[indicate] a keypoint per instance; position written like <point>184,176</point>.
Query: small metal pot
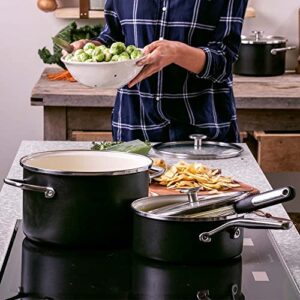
<point>261,55</point>
<point>183,239</point>
<point>83,197</point>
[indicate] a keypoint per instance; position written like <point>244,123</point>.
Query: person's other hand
<point>79,45</point>
<point>157,55</point>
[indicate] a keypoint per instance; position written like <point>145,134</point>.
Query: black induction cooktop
<point>33,271</point>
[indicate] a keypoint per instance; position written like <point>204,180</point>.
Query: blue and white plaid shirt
<point>175,102</point>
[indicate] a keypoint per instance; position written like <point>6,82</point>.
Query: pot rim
<point>143,168</point>
<point>265,40</point>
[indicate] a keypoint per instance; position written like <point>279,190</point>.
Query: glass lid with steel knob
<point>198,149</point>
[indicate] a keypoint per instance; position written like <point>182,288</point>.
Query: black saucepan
<point>194,240</point>
<point>81,197</point>
<point>262,55</point>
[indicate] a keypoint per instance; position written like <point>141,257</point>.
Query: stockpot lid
<point>258,38</point>
<point>198,149</point>
<point>86,162</point>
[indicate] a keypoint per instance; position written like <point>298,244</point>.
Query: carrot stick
<point>62,75</point>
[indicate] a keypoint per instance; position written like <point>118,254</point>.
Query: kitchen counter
<point>242,168</point>
<point>263,104</point>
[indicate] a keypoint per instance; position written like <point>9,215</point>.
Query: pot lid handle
<point>192,193</point>
<point>197,140</point>
<point>258,34</point>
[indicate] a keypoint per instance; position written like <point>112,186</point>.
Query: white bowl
<point>103,74</point>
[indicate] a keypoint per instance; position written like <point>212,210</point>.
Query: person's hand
<point>79,45</point>
<point>157,55</point>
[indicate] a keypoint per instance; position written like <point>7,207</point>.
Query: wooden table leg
<point>55,123</point>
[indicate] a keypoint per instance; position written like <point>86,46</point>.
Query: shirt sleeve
<point>112,31</point>
<point>223,50</point>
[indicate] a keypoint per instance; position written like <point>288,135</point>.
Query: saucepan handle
<point>254,202</point>
<point>49,192</point>
<point>205,237</point>
<point>156,172</point>
<point>274,51</point>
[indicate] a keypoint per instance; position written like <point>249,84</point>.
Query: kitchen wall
<point>24,29</point>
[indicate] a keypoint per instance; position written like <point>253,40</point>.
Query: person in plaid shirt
<point>185,86</point>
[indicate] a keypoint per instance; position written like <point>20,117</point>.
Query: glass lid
<point>198,149</point>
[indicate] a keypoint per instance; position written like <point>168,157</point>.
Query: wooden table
<point>73,111</point>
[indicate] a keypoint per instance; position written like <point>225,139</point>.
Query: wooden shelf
<point>73,13</point>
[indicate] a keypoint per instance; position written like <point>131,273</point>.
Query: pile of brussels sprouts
<point>117,52</point>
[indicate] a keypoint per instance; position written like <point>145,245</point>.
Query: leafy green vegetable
<point>103,145</point>
<point>135,146</point>
<point>70,34</point>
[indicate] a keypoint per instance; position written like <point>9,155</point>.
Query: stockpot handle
<point>49,192</point>
<point>157,171</point>
<point>274,51</point>
<point>205,237</point>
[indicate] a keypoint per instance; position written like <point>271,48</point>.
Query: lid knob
<point>257,34</point>
<point>192,193</point>
<point>197,140</point>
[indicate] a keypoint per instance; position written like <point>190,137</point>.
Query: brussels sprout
<point>83,57</point>
<point>89,52</point>
<point>88,46</point>
<point>102,47</point>
<point>130,49</point>
<point>117,48</point>
<point>115,58</point>
<point>136,54</point>
<point>107,55</point>
<point>123,56</point>
<point>89,60</point>
<point>75,58</point>
<point>68,57</point>
<point>78,52</point>
<point>99,57</point>
<point>97,51</point>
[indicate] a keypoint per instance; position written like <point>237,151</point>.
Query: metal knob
<point>257,34</point>
<point>192,193</point>
<point>197,140</point>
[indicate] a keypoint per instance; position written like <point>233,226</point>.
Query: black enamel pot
<point>83,197</point>
<point>261,55</point>
<point>185,239</point>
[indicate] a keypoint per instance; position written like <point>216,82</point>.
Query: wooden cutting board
<point>156,189</point>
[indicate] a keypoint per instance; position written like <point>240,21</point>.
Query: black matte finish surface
<point>176,241</point>
<point>257,60</point>
<point>86,210</point>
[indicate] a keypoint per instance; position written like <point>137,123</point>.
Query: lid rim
<point>158,149</point>
<point>263,40</point>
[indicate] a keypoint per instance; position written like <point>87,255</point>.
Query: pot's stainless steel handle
<point>49,192</point>
<point>274,51</point>
<point>205,237</point>
<point>157,171</point>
